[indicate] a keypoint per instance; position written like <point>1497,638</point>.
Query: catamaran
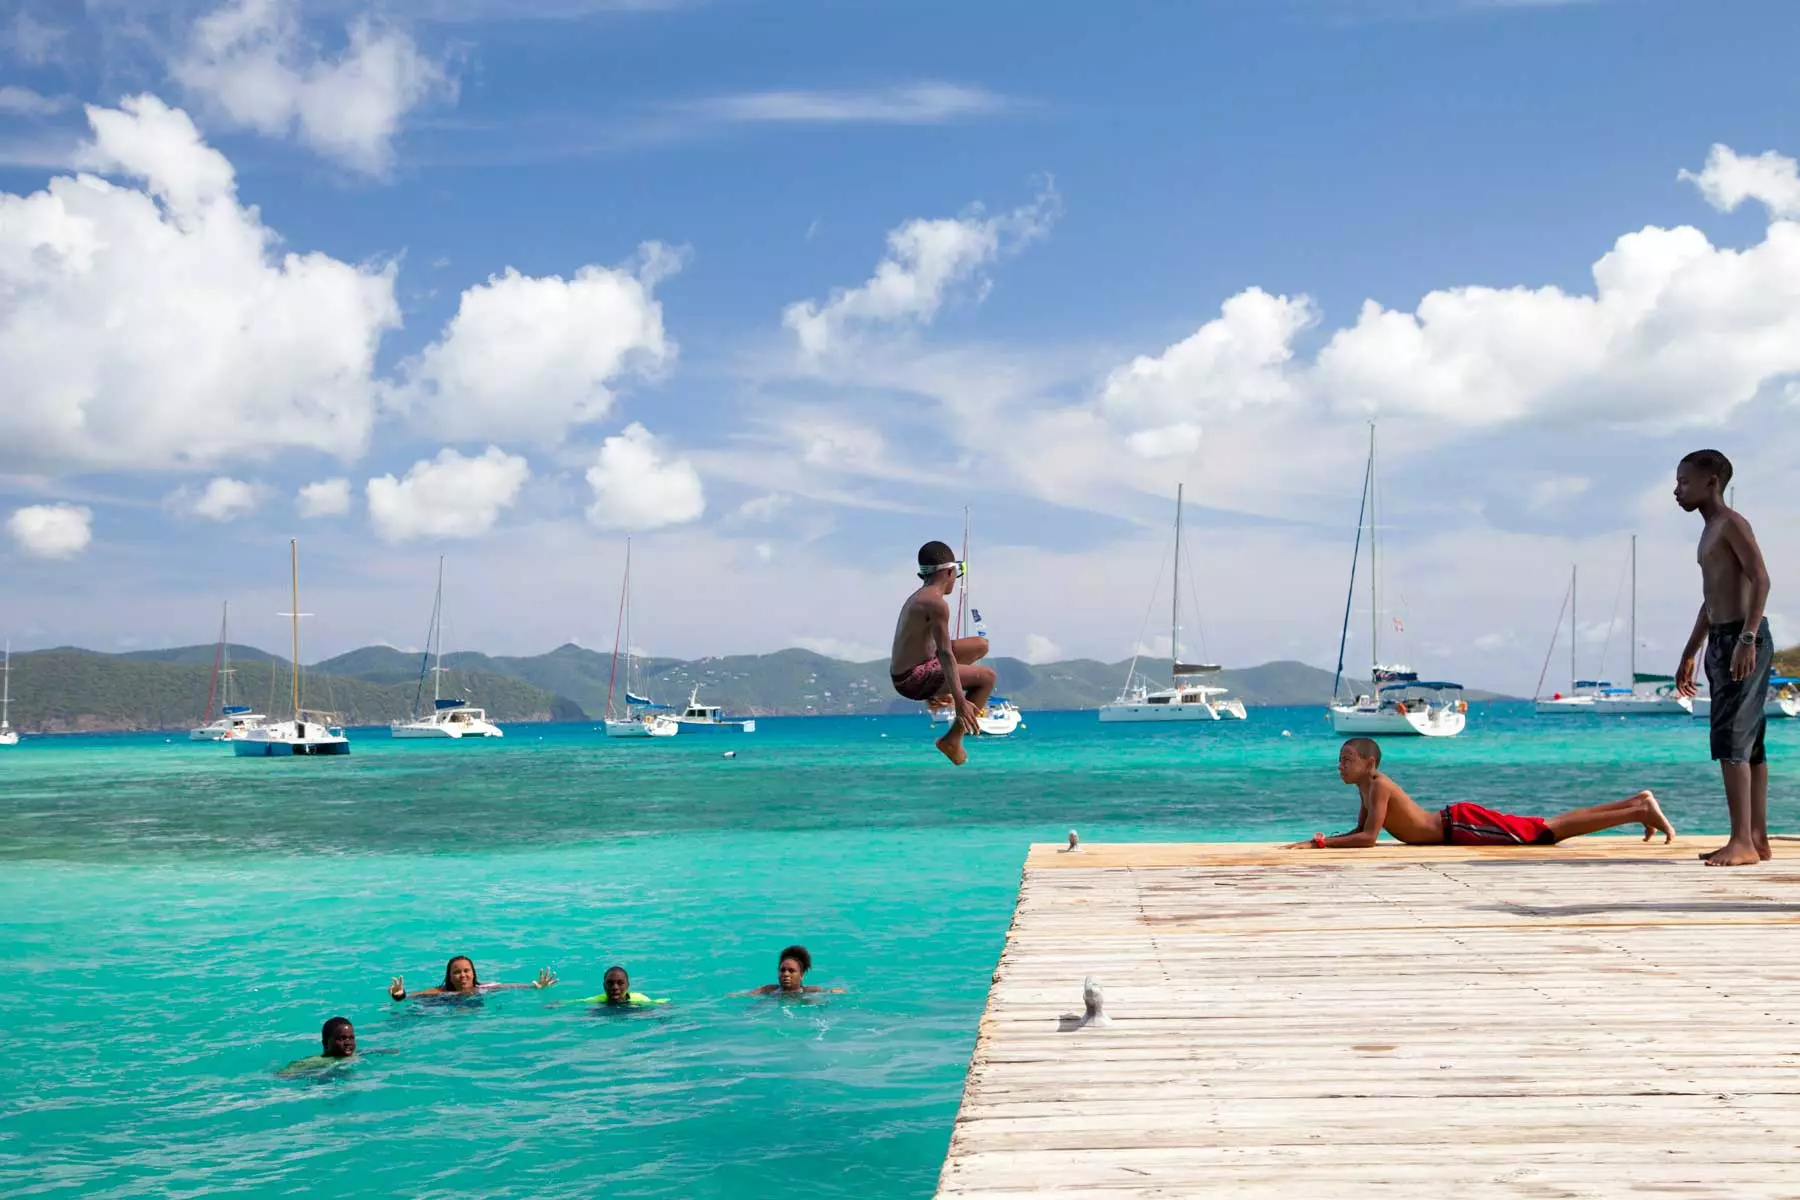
<point>1180,701</point>
<point>1649,695</point>
<point>8,735</point>
<point>305,734</point>
<point>450,716</point>
<point>639,717</point>
<point>234,720</point>
<point>1398,701</point>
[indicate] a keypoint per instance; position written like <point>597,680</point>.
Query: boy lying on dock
<point>1385,805</point>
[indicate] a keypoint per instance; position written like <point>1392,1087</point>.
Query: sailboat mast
<point>962,592</point>
<point>1633,610</point>
<point>437,673</point>
<point>6,686</point>
<point>225,657</point>
<point>1175,595</point>
<point>628,662</point>
<point>212,689</point>
<point>294,580</point>
<point>1374,574</point>
<point>1573,627</point>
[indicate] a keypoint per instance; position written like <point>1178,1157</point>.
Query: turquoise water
<point>177,922</point>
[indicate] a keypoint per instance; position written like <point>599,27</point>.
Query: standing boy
<point>1739,653</point>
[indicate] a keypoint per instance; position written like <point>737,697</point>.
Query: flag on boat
<point>1399,626</point>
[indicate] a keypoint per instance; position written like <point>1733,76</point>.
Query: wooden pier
<point>1601,1018</point>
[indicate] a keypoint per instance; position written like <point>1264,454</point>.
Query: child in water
<point>460,980</point>
<point>790,975</point>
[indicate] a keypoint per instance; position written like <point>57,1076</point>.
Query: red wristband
<point>1319,840</point>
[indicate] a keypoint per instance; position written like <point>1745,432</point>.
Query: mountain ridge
<point>71,689</point>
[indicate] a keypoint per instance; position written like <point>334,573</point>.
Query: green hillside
<point>59,691</point>
<point>1787,662</point>
<point>67,689</point>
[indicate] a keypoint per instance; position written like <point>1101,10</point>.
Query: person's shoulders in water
<point>632,1000</point>
<point>322,1064</point>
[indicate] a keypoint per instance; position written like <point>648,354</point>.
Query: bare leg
<point>1641,809</point>
<point>1759,809</point>
<point>1740,851</point>
<point>978,685</point>
<point>967,651</point>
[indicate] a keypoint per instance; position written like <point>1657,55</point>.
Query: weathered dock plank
<point>1601,1018</point>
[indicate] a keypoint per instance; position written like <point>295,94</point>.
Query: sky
<point>778,289</point>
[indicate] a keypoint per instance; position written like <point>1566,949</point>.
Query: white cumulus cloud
<point>447,497</point>
<point>637,487</point>
<point>108,364</point>
<point>326,498</point>
<point>52,530</point>
<point>533,358</point>
<point>926,260</point>
<point>1238,360</point>
<point>1040,649</point>
<point>226,499</point>
<point>1729,178</point>
<point>251,62</point>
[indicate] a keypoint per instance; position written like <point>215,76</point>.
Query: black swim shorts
<point>1737,704</point>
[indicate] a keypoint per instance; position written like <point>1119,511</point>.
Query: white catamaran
<point>234,719</point>
<point>8,735</point>
<point>1181,701</point>
<point>306,734</point>
<point>638,717</point>
<point>450,716</point>
<point>1398,701</point>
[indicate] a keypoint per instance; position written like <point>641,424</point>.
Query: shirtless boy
<point>1739,653</point>
<point>1385,805</point>
<point>927,665</point>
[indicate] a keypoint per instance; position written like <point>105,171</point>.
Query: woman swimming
<point>460,980</point>
<point>790,974</point>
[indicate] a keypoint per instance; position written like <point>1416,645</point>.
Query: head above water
<point>617,984</point>
<point>1701,478</point>
<point>337,1038</point>
<point>459,974</point>
<point>792,967</point>
<point>1358,759</point>
<point>938,566</point>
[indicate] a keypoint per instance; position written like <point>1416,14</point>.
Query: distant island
<point>71,690</point>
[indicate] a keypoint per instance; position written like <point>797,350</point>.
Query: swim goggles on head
<point>962,569</point>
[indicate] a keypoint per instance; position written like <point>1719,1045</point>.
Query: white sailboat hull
<point>1645,706</point>
<point>1567,706</point>
<point>1386,722</point>
<point>284,739</point>
<point>1127,712</point>
<point>1776,708</point>
<point>646,727</point>
<point>998,721</point>
<point>9,737</point>
<point>430,727</point>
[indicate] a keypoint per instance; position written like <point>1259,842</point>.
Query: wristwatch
<point>1748,638</point>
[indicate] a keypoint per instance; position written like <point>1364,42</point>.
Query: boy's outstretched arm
<point>1368,827</point>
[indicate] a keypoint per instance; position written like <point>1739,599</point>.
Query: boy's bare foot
<point>1763,852</point>
<point>1731,854</point>
<point>1658,822</point>
<point>1762,847</point>
<point>953,749</point>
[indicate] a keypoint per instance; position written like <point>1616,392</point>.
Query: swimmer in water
<point>790,972</point>
<point>337,1044</point>
<point>618,993</point>
<point>460,980</point>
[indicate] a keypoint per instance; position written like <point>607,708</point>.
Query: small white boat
<point>1398,701</point>
<point>234,720</point>
<point>640,716</point>
<point>451,717</point>
<point>8,735</point>
<point>1649,696</point>
<point>1000,718</point>
<point>304,735</point>
<point>1138,701</point>
<point>1783,703</point>
<point>710,718</point>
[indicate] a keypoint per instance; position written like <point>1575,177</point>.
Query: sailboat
<point>1649,695</point>
<point>233,719</point>
<point>638,717</point>
<point>450,716</point>
<point>1583,692</point>
<point>8,735</point>
<point>1179,701</point>
<point>1398,701</point>
<point>304,734</point>
<point>1000,716</point>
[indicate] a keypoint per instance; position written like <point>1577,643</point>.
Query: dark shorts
<point>1738,720</point>
<point>1473,825</point>
<point>923,682</point>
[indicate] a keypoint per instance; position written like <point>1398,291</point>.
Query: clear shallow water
<point>177,922</point>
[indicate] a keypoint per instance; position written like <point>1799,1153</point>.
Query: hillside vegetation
<point>67,689</point>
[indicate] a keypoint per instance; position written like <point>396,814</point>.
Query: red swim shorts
<point>1473,825</point>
